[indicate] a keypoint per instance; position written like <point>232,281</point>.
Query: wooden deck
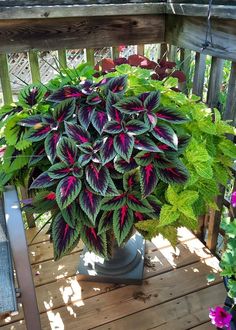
<point>174,295</point>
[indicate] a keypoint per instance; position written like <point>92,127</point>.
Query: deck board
<point>175,283</point>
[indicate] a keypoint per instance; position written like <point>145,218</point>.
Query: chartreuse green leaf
<point>228,148</point>
<point>169,214</point>
<point>14,160</point>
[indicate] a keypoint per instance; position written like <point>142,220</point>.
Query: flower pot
<point>229,303</point>
<point>125,266</point>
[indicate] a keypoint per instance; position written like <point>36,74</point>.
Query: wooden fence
<point>180,37</point>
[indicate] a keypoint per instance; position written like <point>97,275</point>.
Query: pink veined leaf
<point>97,178</point>
<point>113,127</point>
<point>67,151</point>
<point>85,114</point>
<point>114,114</point>
<point>94,241</point>
<point>165,134</point>
<point>144,158</point>
<point>123,144</point>
<point>99,120</point>
<point>64,110</point>
<point>105,222</point>
<point>90,203</point>
<point>122,223</point>
<point>77,133</point>
<point>171,115</point>
<point>136,127</point>
<point>173,174</point>
<point>113,203</point>
<point>67,191</point>
<point>117,84</point>
<point>136,203</point>
<point>152,101</point>
<point>148,179</point>
<point>123,166</point>
<point>43,181</point>
<point>58,171</point>
<point>50,144</point>
<point>130,105</point>
<point>146,144</point>
<point>107,152</point>
<point>31,121</point>
<point>38,133</point>
<point>64,93</point>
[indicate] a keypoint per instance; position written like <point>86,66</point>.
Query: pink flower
<point>121,48</point>
<point>233,199</point>
<point>220,318</point>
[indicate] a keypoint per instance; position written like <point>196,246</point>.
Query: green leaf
<point>204,170</point>
<point>228,148</point>
<point>67,191</point>
<point>14,160</point>
<point>168,215</point>
<point>171,195</point>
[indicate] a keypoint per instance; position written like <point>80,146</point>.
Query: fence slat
<point>90,56</point>
<point>140,50</point>
<point>5,79</point>
<point>62,58</point>
<point>199,74</point>
<point>230,110</point>
<point>34,66</point>
<point>215,81</point>
<point>115,52</point>
<point>185,60</point>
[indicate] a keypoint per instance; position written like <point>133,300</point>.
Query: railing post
<point>62,58</point>
<point>163,51</point>
<point>215,81</point>
<point>185,60</point>
<point>115,52</point>
<point>230,110</point>
<point>140,50</point>
<point>5,79</point>
<point>199,74</point>
<point>90,56</point>
<point>34,66</point>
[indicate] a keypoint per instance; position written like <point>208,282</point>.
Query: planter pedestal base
<point>126,265</point>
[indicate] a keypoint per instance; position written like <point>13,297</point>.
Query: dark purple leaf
<point>123,144</point>
<point>105,222</point>
<point>130,105</point>
<point>50,144</point>
<point>150,119</point>
<point>114,114</point>
<point>67,191</point>
<point>148,179</point>
<point>111,189</point>
<point>84,159</point>
<point>136,203</point>
<point>162,161</point>
<point>85,114</point>
<point>93,99</point>
<point>155,204</point>
<point>144,158</point>
<point>99,120</point>
<point>64,93</point>
<point>67,151</point>
<point>152,101</point>
<point>93,241</point>
<point>70,214</point>
<point>90,204</point>
<point>77,133</point>
<point>43,181</point>
<point>123,166</point>
<point>64,237</point>
<point>31,121</point>
<point>58,171</point>
<point>31,95</point>
<point>97,178</point>
<point>64,110</point>
<point>131,180</point>
<point>171,115</point>
<point>173,174</point>
<point>113,203</point>
<point>38,133</point>
<point>107,151</point>
<point>122,223</point>
<point>113,127</point>
<point>117,84</point>
<point>146,144</point>
<point>136,127</point>
<point>165,134</point>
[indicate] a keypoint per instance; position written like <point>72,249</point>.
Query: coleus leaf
<point>107,152</point>
<point>93,99</point>
<point>155,204</point>
<point>31,121</point>
<point>94,242</point>
<point>38,133</point>
<point>64,110</point>
<point>64,93</point>
<point>162,161</point>
<point>67,191</point>
<point>131,180</point>
<point>76,132</point>
<point>114,114</point>
<point>64,237</point>
<point>70,214</point>
<point>150,119</point>
<point>144,158</point>
<point>58,171</point>
<point>85,114</point>
<point>123,166</point>
<point>123,144</point>
<point>43,201</point>
<point>152,101</point>
<point>113,203</point>
<point>122,223</point>
<point>148,179</point>
<point>183,142</point>
<point>165,134</point>
<point>77,170</point>
<point>105,222</point>
<point>146,144</point>
<point>111,189</point>
<point>97,178</point>
<point>117,84</point>
<point>37,155</point>
<point>90,203</point>
<point>171,115</point>
<point>173,174</point>
<point>31,95</point>
<point>113,127</point>
<point>99,120</point>
<point>136,127</point>
<point>130,105</point>
<point>84,159</point>
<point>43,181</point>
<point>50,144</point>
<point>67,151</point>
<point>135,202</point>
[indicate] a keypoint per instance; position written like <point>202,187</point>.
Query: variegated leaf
<point>50,144</point>
<point>97,178</point>
<point>148,179</point>
<point>67,191</point>
<point>123,144</point>
<point>113,203</point>
<point>94,242</point>
<point>58,171</point>
<point>43,181</point>
<point>122,223</point>
<point>67,151</point>
<point>90,203</point>
<point>99,120</point>
<point>64,110</point>
<point>77,133</point>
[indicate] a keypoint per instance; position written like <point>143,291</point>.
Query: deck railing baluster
<point>185,60</point>
<point>5,79</point>
<point>140,50</point>
<point>62,58</point>
<point>90,56</point>
<point>34,66</point>
<point>199,74</point>
<point>115,52</point>
<point>215,81</point>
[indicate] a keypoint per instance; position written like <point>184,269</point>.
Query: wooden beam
<point>34,66</point>
<point>215,82</point>
<point>5,79</point>
<point>199,74</point>
<point>95,32</point>
<point>189,32</point>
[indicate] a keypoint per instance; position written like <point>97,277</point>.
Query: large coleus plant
<point>98,151</point>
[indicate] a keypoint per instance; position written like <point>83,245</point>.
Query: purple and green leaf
<point>105,222</point>
<point>67,151</point>
<point>90,203</point>
<point>94,242</point>
<point>130,105</point>
<point>67,191</point>
<point>123,144</point>
<point>50,144</point>
<point>58,171</point>
<point>165,134</point>
<point>122,223</point>
<point>113,203</point>
<point>97,177</point>
<point>171,115</point>
<point>136,127</point>
<point>114,114</point>
<point>77,133</point>
<point>85,114</point>
<point>148,179</point>
<point>99,120</point>
<point>67,92</point>
<point>107,152</point>
<point>123,166</point>
<point>43,181</point>
<point>146,144</point>
<point>64,110</point>
<point>136,203</point>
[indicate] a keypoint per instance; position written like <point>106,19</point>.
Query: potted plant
<point>107,153</point>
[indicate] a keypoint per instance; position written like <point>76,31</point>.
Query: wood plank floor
<point>175,294</point>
